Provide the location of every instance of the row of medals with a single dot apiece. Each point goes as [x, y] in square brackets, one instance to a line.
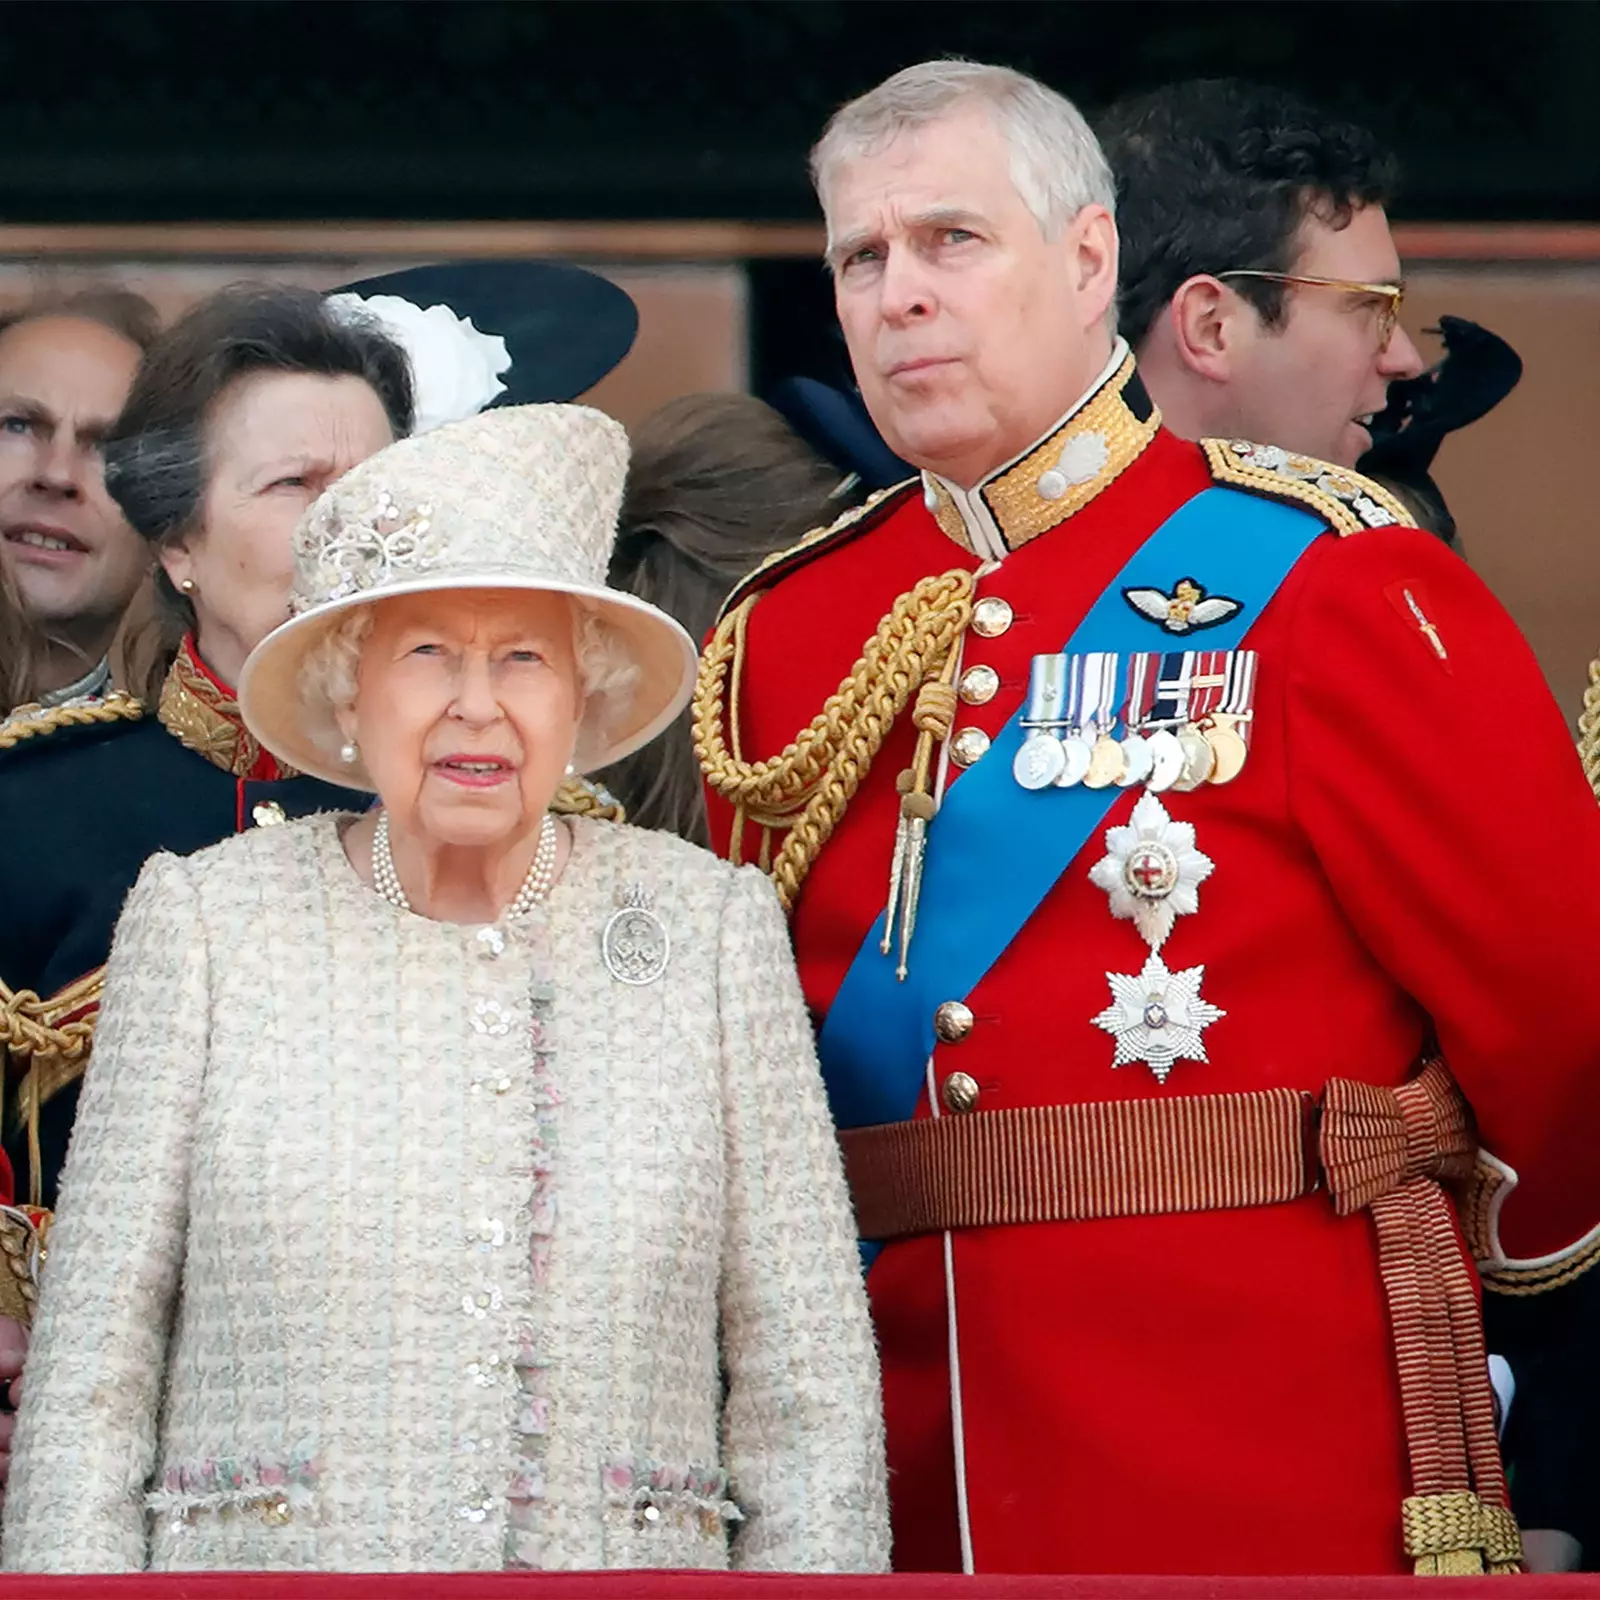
[1180, 758]
[1177, 755]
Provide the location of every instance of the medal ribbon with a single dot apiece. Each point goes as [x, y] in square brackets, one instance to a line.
[1238, 696]
[1142, 669]
[995, 849]
[1207, 683]
[1100, 691]
[1171, 708]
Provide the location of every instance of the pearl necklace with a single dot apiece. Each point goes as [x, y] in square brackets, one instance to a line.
[535, 887]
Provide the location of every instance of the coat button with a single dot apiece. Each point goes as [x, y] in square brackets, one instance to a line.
[979, 685]
[268, 814]
[960, 1092]
[952, 1021]
[991, 616]
[969, 745]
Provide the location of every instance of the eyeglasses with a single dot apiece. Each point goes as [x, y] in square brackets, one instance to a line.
[1390, 293]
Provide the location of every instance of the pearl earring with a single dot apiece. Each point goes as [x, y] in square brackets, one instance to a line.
[348, 752]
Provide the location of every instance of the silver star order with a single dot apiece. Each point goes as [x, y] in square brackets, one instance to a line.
[1157, 1017]
[1152, 870]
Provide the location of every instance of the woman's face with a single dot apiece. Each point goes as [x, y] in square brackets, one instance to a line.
[274, 442]
[466, 713]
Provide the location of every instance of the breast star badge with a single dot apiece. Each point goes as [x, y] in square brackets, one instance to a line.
[1151, 870]
[1157, 1016]
[1186, 610]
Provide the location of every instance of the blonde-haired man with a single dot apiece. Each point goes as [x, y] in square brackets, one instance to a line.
[1138, 875]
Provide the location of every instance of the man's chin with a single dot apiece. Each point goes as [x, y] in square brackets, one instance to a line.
[940, 444]
[1355, 444]
[44, 601]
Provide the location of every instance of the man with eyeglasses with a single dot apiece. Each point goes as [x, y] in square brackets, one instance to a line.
[1259, 285]
[1261, 289]
[1124, 1034]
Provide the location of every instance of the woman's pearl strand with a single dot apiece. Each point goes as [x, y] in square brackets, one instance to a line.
[535, 887]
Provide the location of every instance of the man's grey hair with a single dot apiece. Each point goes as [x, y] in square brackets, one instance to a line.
[1056, 161]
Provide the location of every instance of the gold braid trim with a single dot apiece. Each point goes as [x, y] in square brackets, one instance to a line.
[1589, 729]
[1457, 1534]
[845, 520]
[1475, 1207]
[805, 789]
[578, 797]
[1345, 500]
[57, 1050]
[1520, 1282]
[34, 721]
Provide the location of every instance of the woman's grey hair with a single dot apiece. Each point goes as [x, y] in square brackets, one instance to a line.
[1056, 161]
[606, 671]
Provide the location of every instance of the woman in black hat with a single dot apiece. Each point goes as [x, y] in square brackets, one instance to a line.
[242, 413]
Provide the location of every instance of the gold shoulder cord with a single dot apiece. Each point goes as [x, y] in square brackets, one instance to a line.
[33, 1031]
[804, 790]
[1589, 729]
[33, 721]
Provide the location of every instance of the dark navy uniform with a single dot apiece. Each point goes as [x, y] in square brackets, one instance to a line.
[87, 794]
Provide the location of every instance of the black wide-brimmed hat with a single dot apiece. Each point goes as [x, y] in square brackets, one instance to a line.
[564, 328]
[1478, 371]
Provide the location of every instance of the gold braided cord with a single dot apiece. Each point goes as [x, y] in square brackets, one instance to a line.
[805, 789]
[1589, 728]
[1457, 1534]
[35, 1031]
[31, 721]
[30, 1026]
[578, 797]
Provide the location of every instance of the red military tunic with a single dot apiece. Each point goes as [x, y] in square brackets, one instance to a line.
[1403, 856]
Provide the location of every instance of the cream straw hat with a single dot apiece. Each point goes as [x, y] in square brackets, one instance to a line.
[521, 497]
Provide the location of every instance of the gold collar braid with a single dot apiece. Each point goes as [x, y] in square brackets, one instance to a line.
[804, 790]
[205, 718]
[1060, 475]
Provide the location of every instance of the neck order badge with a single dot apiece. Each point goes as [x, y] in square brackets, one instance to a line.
[996, 848]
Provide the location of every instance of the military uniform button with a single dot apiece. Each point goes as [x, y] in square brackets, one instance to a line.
[968, 745]
[268, 814]
[979, 685]
[952, 1021]
[960, 1092]
[991, 616]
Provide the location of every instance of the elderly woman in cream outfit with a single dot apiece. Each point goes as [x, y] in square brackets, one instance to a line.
[454, 1187]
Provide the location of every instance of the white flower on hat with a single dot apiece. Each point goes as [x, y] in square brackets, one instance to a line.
[455, 367]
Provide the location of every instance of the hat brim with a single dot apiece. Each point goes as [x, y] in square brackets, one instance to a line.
[565, 328]
[304, 733]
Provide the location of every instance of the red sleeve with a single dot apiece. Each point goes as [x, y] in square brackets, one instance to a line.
[1442, 792]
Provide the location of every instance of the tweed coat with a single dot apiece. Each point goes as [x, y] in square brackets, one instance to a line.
[393, 1244]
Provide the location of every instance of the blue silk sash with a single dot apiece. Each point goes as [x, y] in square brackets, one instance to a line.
[995, 849]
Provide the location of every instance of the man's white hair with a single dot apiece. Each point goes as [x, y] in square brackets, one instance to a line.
[1056, 161]
[606, 669]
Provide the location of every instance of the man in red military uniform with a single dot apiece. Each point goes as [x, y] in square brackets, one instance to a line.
[1145, 834]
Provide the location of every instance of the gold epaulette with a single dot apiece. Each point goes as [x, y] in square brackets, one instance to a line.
[35, 721]
[1345, 500]
[849, 524]
[580, 797]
